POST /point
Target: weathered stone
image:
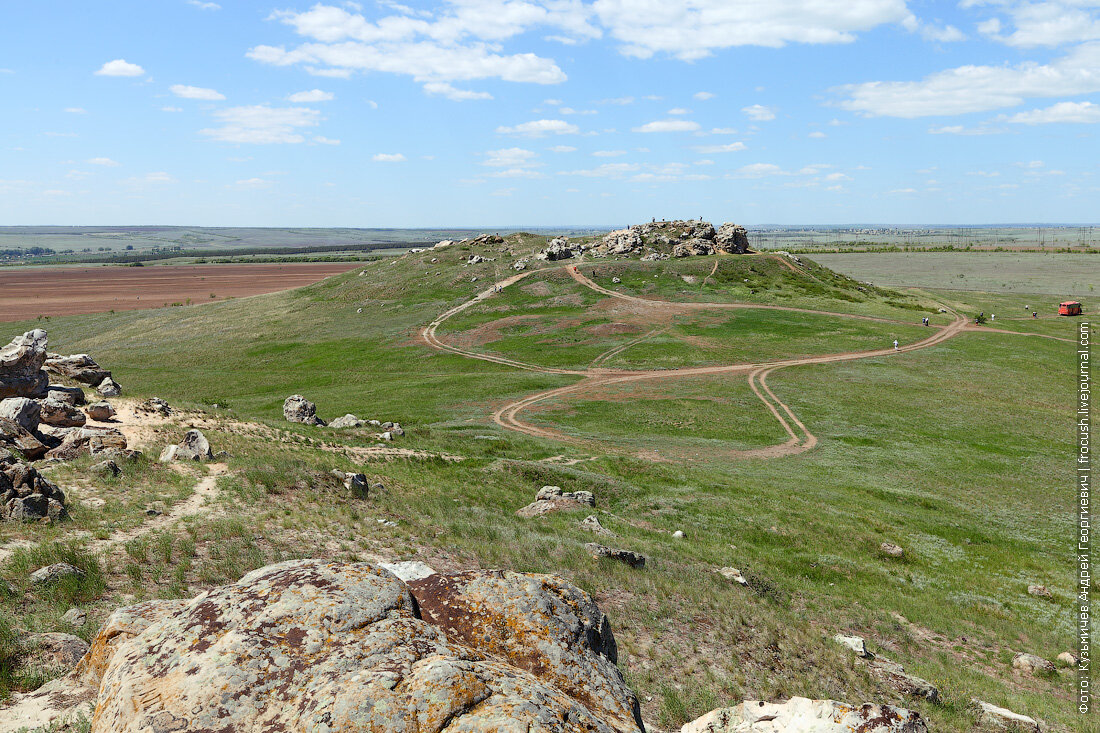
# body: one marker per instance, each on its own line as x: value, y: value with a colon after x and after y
x: 21, y: 363
x: 622, y: 241
x: 78, y: 367
x: 100, y: 411
x: 15, y: 436
x: 633, y: 559
x: 733, y: 574
x: 1002, y: 719
x: 678, y: 534
x: 22, y: 410
x: 155, y: 406
x: 109, y: 388
x: 315, y: 645
x: 75, y: 617
x: 802, y: 715
x: 193, y: 447
x: 347, y: 421
x: 51, y: 651
x: 103, y: 440
x: 409, y: 570
x: 889, y: 548
x: 357, y: 484
x: 1039, y: 590
x: 732, y: 238
x: 553, y: 499
x: 693, y: 247
x: 61, y: 414
x: 855, y: 643
x: 894, y: 675
x: 107, y: 468
x: 1068, y: 658
x: 55, y: 572
x: 69, y: 395
x: 592, y: 524
x: 1032, y: 664
x: 298, y: 409
x: 558, y: 249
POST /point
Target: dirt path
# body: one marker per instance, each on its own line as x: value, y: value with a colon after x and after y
x: 596, y: 378
x: 975, y: 328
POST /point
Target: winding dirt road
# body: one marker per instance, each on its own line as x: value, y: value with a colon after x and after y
x: 800, y: 439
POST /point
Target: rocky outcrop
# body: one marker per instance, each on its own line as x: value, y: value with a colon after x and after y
x: 69, y: 395
x: 14, y: 436
x: 802, y: 715
x: 553, y: 499
x: 60, y: 414
x: 1003, y: 719
x: 561, y: 248
x: 88, y: 439
x: 622, y: 241
x: 732, y: 238
x: 627, y: 557
x: 297, y: 408
x: 79, y: 368
x: 22, y: 410
x: 316, y: 645
x: 347, y: 421
x: 193, y: 447
x: 693, y: 247
x: 100, y: 411
x: 109, y: 388
x: 21, y: 363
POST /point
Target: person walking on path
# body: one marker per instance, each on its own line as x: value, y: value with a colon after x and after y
x: 895, y: 344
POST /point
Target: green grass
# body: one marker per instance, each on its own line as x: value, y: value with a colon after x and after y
x: 956, y: 452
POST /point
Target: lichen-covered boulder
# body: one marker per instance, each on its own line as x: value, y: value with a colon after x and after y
x: 297, y: 408
x: 21, y: 363
x: 325, y: 646
x: 802, y: 715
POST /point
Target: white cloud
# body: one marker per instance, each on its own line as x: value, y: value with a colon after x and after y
x: 76, y: 110
x: 539, y: 128
x: 933, y: 32
x: 727, y: 148
x: 837, y: 177
x: 201, y: 5
x: 552, y: 102
x: 668, y: 126
x: 313, y: 95
x: 563, y: 149
x: 620, y: 101
x: 1046, y: 23
x: 188, y: 92
x: 609, y: 153
x: 372, y: 104
x: 104, y: 162
x: 758, y: 170
x: 703, y: 96
x: 388, y: 157
x: 443, y: 89
x: 7, y: 71
x: 723, y: 131
x: 678, y: 111
x: 817, y: 135
x: 963, y: 130
x: 504, y: 192
x: 510, y: 158
x: 759, y: 112
x: 322, y: 140
x: 696, y: 29
x: 978, y: 88
x: 261, y: 124
x: 253, y: 183
x: 171, y: 109
x: 607, y: 170
x: 571, y: 111
x: 1075, y: 112
x: 120, y: 67
x: 158, y: 178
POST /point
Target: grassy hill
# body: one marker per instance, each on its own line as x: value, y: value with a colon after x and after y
x: 954, y: 452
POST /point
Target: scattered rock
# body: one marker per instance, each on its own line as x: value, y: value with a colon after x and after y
x: 733, y: 574
x: 553, y: 499
x: 347, y: 421
x: 633, y: 559
x: 15, y: 437
x: 69, y: 395
x: 57, y: 571
x: 109, y: 388
x: 344, y: 646
x: 519, y: 265
x: 678, y: 534
x: 616, y: 280
x: 61, y: 414
x: 298, y: 409
x: 47, y: 653
x: 21, y: 363
x: 94, y: 440
x: 1002, y: 719
x: 78, y: 367
x: 23, y: 411
x: 75, y: 617
x: 855, y: 643
x: 386, y: 436
x: 889, y: 548
x: 895, y: 676
x: 1032, y: 664
x: 475, y: 260
x: 193, y: 447
x: 26, y: 495
x: 107, y: 468
x: 592, y: 524
x: 155, y: 406
x: 1039, y: 590
x: 1068, y: 658
x: 100, y: 411
x: 409, y: 570
x: 802, y: 715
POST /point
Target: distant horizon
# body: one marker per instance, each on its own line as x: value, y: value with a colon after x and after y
x: 523, y: 227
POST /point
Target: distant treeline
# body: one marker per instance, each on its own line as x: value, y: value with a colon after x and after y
x: 871, y: 247
x: 20, y: 252
x: 126, y: 258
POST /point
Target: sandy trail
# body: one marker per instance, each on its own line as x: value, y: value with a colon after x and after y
x: 595, y: 378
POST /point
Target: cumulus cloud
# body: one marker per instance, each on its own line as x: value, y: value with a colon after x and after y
x: 563, y: 149
x: 156, y: 178
x: 697, y: 29
x: 322, y: 140
x: 609, y: 153
x: 703, y: 96
x: 262, y: 125
x: 510, y: 158
x: 388, y: 157
x: 313, y: 95
x: 187, y: 92
x: 977, y: 88
x: 202, y: 5
x: 540, y: 128
x: 120, y: 67
x: 758, y: 170
x: 1049, y: 23
x: 727, y: 148
x: 1076, y: 112
x: 668, y: 126
x: 817, y: 135
x: 104, y: 162
x: 759, y: 112
x: 443, y: 89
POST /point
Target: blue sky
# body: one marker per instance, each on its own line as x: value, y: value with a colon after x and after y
x: 544, y: 112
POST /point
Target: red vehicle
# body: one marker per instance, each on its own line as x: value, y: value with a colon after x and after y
x: 1069, y: 308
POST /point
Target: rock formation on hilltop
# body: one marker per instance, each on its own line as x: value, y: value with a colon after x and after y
x: 661, y: 239
x: 21, y: 363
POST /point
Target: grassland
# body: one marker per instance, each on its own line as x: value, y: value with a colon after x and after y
x: 956, y: 452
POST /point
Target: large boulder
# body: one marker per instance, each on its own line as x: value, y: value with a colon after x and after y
x: 23, y: 410
x: 193, y: 447
x: 100, y: 411
x: 347, y: 421
x: 558, y: 249
x: 318, y: 645
x: 21, y: 363
x: 802, y: 715
x: 60, y: 414
x: 109, y: 388
x: 297, y: 408
x: 693, y: 247
x: 78, y: 367
x: 15, y: 437
x: 89, y: 439
x: 622, y: 241
x: 553, y: 499
x: 992, y: 717
x: 69, y: 395
x: 732, y: 238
